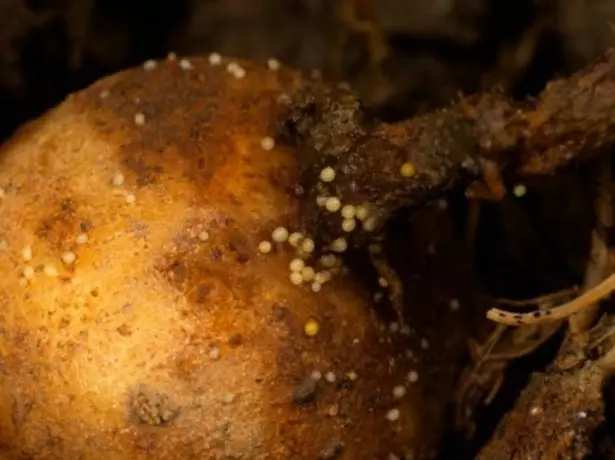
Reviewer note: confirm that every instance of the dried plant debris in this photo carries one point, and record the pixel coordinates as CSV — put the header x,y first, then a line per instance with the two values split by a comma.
x,y
554,418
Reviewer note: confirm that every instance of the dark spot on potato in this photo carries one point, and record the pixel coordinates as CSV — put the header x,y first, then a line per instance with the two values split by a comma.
x,y
305,392
177,270
60,225
124,330
332,452
68,206
235,340
216,254
201,293
146,174
279,312
242,258
150,407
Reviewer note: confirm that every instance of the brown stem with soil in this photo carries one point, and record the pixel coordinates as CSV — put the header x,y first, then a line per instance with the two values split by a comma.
x,y
569,122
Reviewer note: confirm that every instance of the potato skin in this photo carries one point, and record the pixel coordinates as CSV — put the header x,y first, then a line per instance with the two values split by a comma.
x,y
155,344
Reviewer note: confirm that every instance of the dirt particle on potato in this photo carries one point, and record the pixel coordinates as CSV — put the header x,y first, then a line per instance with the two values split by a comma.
x,y
118,180
332,452
305,391
50,271
330,377
26,254
454,305
203,236
150,407
296,278
316,375
334,410
227,398
82,238
29,272
131,198
104,94
213,352
68,257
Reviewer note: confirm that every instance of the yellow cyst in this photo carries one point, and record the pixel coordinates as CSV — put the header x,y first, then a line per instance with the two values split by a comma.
x,y
407,170
311,328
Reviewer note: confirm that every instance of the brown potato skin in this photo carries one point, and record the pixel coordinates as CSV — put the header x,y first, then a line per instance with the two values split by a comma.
x,y
110,359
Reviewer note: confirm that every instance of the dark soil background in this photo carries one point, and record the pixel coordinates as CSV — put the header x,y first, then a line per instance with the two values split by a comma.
x,y
402,56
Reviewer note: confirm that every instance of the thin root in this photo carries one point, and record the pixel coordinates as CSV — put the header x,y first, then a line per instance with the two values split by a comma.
x,y
543,300
585,300
394,284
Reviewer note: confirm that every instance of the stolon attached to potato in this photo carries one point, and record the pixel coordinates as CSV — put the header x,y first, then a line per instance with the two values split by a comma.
x,y
173,278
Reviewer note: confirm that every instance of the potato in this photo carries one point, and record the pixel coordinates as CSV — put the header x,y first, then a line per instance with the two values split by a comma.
x,y
141,315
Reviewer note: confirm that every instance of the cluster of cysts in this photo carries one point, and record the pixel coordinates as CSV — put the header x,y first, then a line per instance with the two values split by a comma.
x,y
67,260
351,218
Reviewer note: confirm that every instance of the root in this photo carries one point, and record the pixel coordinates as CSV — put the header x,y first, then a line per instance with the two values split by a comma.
x,y
585,300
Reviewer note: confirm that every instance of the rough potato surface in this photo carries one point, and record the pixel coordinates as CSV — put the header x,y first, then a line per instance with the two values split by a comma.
x,y
138,319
